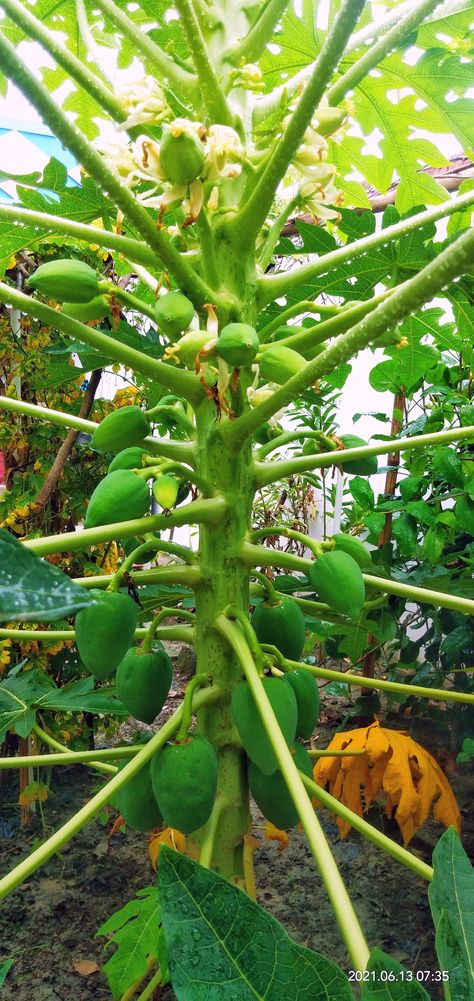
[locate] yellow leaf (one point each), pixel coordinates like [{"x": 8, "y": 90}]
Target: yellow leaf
[
  {"x": 34, "y": 792},
  {"x": 273, "y": 833},
  {"x": 171, "y": 838},
  {"x": 413, "y": 782}
]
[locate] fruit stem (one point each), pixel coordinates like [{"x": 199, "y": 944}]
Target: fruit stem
[
  {"x": 129, "y": 300},
  {"x": 238, "y": 614},
  {"x": 271, "y": 594},
  {"x": 128, "y": 563},
  {"x": 164, "y": 613},
  {"x": 202, "y": 484},
  {"x": 325, "y": 443},
  {"x": 296, "y": 309},
  {"x": 45, "y": 738},
  {"x": 221, "y": 803},
  {"x": 345, "y": 915},
  {"x": 198, "y": 681}
]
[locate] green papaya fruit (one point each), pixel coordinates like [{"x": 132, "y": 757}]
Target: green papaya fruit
[
  {"x": 136, "y": 803},
  {"x": 184, "y": 780},
  {"x": 173, "y": 314},
  {"x": 266, "y": 432},
  {"x": 307, "y": 700},
  {"x": 270, "y": 792},
  {"x": 281, "y": 624},
  {"x": 328, "y": 120},
  {"x": 337, "y": 580},
  {"x": 286, "y": 330},
  {"x": 181, "y": 156},
  {"x": 128, "y": 545},
  {"x": 280, "y": 363},
  {"x": 355, "y": 548},
  {"x": 358, "y": 467},
  {"x": 238, "y": 344},
  {"x": 105, "y": 631},
  {"x": 97, "y": 309},
  {"x": 128, "y": 458},
  {"x": 65, "y": 280},
  {"x": 165, "y": 491},
  {"x": 143, "y": 682},
  {"x": 120, "y": 496},
  {"x": 188, "y": 347},
  {"x": 122, "y": 428},
  {"x": 249, "y": 723}
]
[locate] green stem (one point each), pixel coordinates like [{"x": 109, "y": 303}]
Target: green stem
[
  {"x": 179, "y": 418},
  {"x": 197, "y": 681},
  {"x": 260, "y": 556},
  {"x": 271, "y": 593},
  {"x": 149, "y": 992},
  {"x": 450, "y": 264},
  {"x": 238, "y": 615},
  {"x": 110, "y": 182},
  {"x": 273, "y": 287},
  {"x": 213, "y": 97},
  {"x": 261, "y": 32},
  {"x": 266, "y": 253},
  {"x": 75, "y": 68},
  {"x": 209, "y": 834},
  {"x": 128, "y": 562},
  {"x": 250, "y": 218},
  {"x": 266, "y": 473},
  {"x": 308, "y": 340},
  {"x": 314, "y": 753},
  {"x": 290, "y": 436},
  {"x": 127, "y": 298},
  {"x": 50, "y": 635},
  {"x": 161, "y": 63},
  {"x": 87, "y": 813},
  {"x": 184, "y": 383},
  {"x": 71, "y": 757},
  {"x": 164, "y": 613},
  {"x": 371, "y": 833},
  {"x": 330, "y": 875},
  {"x": 297, "y": 309},
  {"x": 200, "y": 482},
  {"x": 204, "y": 510},
  {"x": 206, "y": 242},
  {"x": 51, "y": 742},
  {"x": 392, "y": 40}
]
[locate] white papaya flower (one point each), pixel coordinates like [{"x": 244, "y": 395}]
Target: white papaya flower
[
  {"x": 223, "y": 153},
  {"x": 144, "y": 103}
]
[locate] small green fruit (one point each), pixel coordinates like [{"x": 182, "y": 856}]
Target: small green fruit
[
  {"x": 184, "y": 779},
  {"x": 128, "y": 458},
  {"x": 249, "y": 723},
  {"x": 181, "y": 156},
  {"x": 128, "y": 546},
  {"x": 66, "y": 281},
  {"x": 105, "y": 631},
  {"x": 143, "y": 682},
  {"x": 237, "y": 344},
  {"x": 328, "y": 120},
  {"x": 355, "y": 548},
  {"x": 280, "y": 363},
  {"x": 120, "y": 496},
  {"x": 307, "y": 700},
  {"x": 173, "y": 314},
  {"x": 124, "y": 427},
  {"x": 282, "y": 625},
  {"x": 136, "y": 803},
  {"x": 358, "y": 467},
  {"x": 337, "y": 579},
  {"x": 270, "y": 792},
  {"x": 97, "y": 309},
  {"x": 165, "y": 491}
]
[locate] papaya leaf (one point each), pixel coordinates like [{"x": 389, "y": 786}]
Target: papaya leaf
[
  {"x": 136, "y": 931},
  {"x": 450, "y": 895},
  {"x": 395, "y": 764},
  {"x": 32, "y": 589},
  {"x": 467, "y": 751},
  {"x": 222, "y": 944},
  {"x": 5, "y": 967},
  {"x": 397, "y": 988}
]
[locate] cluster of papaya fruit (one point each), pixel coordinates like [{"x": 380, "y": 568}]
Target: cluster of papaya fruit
[{"x": 75, "y": 285}]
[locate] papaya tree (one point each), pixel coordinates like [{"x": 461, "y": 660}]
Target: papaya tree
[{"x": 215, "y": 148}]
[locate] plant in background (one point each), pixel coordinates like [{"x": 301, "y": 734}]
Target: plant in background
[{"x": 214, "y": 150}]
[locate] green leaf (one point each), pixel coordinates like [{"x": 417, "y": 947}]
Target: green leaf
[
  {"x": 404, "y": 530},
  {"x": 362, "y": 492},
  {"x": 4, "y": 968},
  {"x": 390, "y": 981},
  {"x": 467, "y": 751},
  {"x": 33, "y": 590},
  {"x": 464, "y": 511},
  {"x": 448, "y": 466},
  {"x": 222, "y": 944},
  {"x": 433, "y": 543},
  {"x": 136, "y": 931},
  {"x": 410, "y": 487},
  {"x": 421, "y": 511},
  {"x": 451, "y": 894}
]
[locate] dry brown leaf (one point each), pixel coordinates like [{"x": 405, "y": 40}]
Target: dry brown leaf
[
  {"x": 273, "y": 833},
  {"x": 411, "y": 779},
  {"x": 85, "y": 967},
  {"x": 171, "y": 838}
]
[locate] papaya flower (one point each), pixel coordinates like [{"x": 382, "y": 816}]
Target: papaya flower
[
  {"x": 315, "y": 199},
  {"x": 224, "y": 153},
  {"x": 144, "y": 102}
]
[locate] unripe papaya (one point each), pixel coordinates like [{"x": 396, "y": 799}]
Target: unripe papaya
[
  {"x": 184, "y": 779},
  {"x": 270, "y": 792},
  {"x": 337, "y": 579},
  {"x": 120, "y": 496},
  {"x": 173, "y": 314},
  {"x": 105, "y": 631},
  {"x": 136, "y": 803},
  {"x": 249, "y": 723},
  {"x": 355, "y": 548},
  {"x": 181, "y": 156},
  {"x": 122, "y": 428},
  {"x": 65, "y": 281},
  {"x": 143, "y": 682},
  {"x": 280, "y": 363},
  {"x": 282, "y": 625},
  {"x": 97, "y": 309},
  {"x": 237, "y": 344},
  {"x": 267, "y": 432},
  {"x": 128, "y": 458},
  {"x": 358, "y": 467},
  {"x": 188, "y": 346},
  {"x": 307, "y": 700},
  {"x": 165, "y": 491}
]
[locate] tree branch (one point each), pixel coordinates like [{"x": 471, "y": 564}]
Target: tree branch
[
  {"x": 261, "y": 32},
  {"x": 208, "y": 85}
]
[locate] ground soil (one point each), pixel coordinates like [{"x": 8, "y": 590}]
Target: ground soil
[{"x": 49, "y": 923}]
